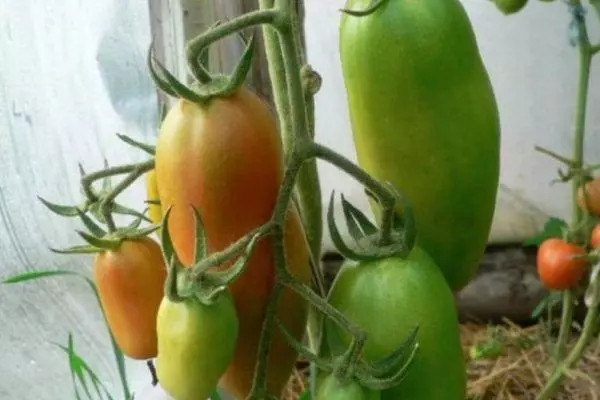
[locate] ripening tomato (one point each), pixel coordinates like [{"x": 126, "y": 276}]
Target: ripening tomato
[
  {"x": 196, "y": 343},
  {"x": 226, "y": 159},
  {"x": 556, "y": 265},
  {"x": 332, "y": 389},
  {"x": 595, "y": 237},
  {"x": 590, "y": 201},
  {"x": 130, "y": 283},
  {"x": 155, "y": 210}
]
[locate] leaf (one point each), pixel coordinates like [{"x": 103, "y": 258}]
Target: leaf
[
  {"x": 167, "y": 243},
  {"x": 80, "y": 369},
  {"x": 240, "y": 72},
  {"x": 122, "y": 210},
  {"x": 29, "y": 276},
  {"x": 354, "y": 229},
  {"x": 82, "y": 249},
  {"x": 395, "y": 360},
  {"x": 306, "y": 395},
  {"x": 547, "y": 302},
  {"x": 554, "y": 227},
  {"x": 65, "y": 211},
  {"x": 366, "y": 226},
  {"x": 137, "y": 144},
  {"x": 94, "y": 228},
  {"x": 101, "y": 243},
  {"x": 336, "y": 237}
]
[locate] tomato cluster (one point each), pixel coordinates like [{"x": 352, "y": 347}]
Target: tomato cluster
[{"x": 562, "y": 264}]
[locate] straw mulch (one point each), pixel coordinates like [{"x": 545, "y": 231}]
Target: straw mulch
[{"x": 517, "y": 371}]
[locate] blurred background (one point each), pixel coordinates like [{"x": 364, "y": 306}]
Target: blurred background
[{"x": 74, "y": 74}]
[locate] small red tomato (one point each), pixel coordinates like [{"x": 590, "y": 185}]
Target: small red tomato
[{"x": 557, "y": 266}]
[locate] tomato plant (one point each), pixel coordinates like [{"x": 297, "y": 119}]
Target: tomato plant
[
  {"x": 388, "y": 298},
  {"x": 590, "y": 199},
  {"x": 332, "y": 389},
  {"x": 557, "y": 266},
  {"x": 130, "y": 283},
  {"x": 196, "y": 343},
  {"x": 226, "y": 159},
  {"x": 424, "y": 118}
]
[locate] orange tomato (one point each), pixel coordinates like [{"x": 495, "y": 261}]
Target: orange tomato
[
  {"x": 591, "y": 200},
  {"x": 595, "y": 237},
  {"x": 130, "y": 283},
  {"x": 226, "y": 159},
  {"x": 556, "y": 265}
]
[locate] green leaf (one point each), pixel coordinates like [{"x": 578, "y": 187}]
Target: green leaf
[
  {"x": 553, "y": 228},
  {"x": 82, "y": 249},
  {"x": 177, "y": 87},
  {"x": 94, "y": 228},
  {"x": 80, "y": 369},
  {"x": 101, "y": 243},
  {"x": 156, "y": 78},
  {"x": 547, "y": 302},
  {"x": 122, "y": 210},
  {"x": 215, "y": 396},
  {"x": 29, "y": 276},
  {"x": 335, "y": 234},
  {"x": 240, "y": 72},
  {"x": 354, "y": 229},
  {"x": 167, "y": 243},
  {"x": 137, "y": 144},
  {"x": 366, "y": 227},
  {"x": 394, "y": 361},
  {"x": 65, "y": 211},
  {"x": 306, "y": 395}
]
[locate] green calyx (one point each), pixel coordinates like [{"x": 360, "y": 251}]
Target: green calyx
[
  {"x": 200, "y": 279},
  {"x": 399, "y": 232}
]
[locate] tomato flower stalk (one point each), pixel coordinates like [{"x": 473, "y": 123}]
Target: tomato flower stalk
[{"x": 578, "y": 175}]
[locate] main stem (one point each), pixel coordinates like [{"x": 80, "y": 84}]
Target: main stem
[{"x": 585, "y": 58}]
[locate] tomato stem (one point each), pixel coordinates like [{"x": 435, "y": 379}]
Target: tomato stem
[{"x": 586, "y": 52}]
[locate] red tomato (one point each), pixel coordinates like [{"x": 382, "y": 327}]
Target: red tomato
[
  {"x": 556, "y": 265},
  {"x": 130, "y": 283},
  {"x": 226, "y": 159}
]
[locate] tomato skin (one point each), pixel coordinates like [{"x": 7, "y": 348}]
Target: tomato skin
[
  {"x": 595, "y": 237},
  {"x": 388, "y": 298},
  {"x": 154, "y": 210},
  {"x": 227, "y": 160},
  {"x": 590, "y": 202},
  {"x": 424, "y": 118},
  {"x": 196, "y": 343},
  {"x": 130, "y": 283},
  {"x": 555, "y": 265},
  {"x": 332, "y": 389}
]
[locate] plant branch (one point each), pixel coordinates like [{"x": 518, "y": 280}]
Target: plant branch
[
  {"x": 196, "y": 45},
  {"x": 386, "y": 197}
]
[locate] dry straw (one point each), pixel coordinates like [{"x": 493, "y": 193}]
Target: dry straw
[{"x": 517, "y": 372}]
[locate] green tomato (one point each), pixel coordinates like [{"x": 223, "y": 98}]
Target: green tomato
[
  {"x": 510, "y": 6},
  {"x": 196, "y": 344},
  {"x": 332, "y": 389},
  {"x": 388, "y": 298},
  {"x": 424, "y": 118}
]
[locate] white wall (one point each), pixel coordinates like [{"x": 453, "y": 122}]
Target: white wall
[{"x": 533, "y": 69}]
